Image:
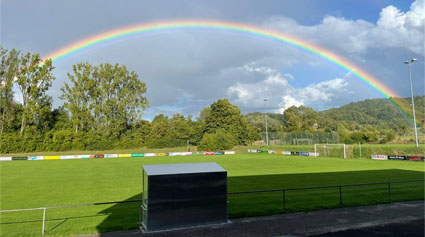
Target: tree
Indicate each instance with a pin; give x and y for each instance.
(228, 117)
(34, 77)
(77, 95)
(218, 141)
(108, 98)
(8, 70)
(301, 119)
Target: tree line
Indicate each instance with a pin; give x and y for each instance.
(102, 109)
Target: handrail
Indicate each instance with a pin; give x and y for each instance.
(328, 186)
(67, 206)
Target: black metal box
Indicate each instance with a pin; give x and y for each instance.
(183, 195)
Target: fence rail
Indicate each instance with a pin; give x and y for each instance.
(284, 191)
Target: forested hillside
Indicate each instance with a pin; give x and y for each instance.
(373, 120)
(380, 113)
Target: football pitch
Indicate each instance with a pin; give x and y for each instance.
(30, 184)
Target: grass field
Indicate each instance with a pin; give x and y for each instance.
(28, 184)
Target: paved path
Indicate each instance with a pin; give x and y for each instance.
(394, 219)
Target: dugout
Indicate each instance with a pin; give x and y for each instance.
(183, 195)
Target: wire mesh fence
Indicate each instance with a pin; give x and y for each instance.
(300, 138)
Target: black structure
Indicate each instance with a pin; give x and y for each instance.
(183, 195)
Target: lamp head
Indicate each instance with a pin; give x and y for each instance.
(406, 62)
(413, 59)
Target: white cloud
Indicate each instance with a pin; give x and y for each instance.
(394, 29)
(280, 93)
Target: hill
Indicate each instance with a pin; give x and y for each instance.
(375, 114)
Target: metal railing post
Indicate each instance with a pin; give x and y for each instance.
(44, 221)
(389, 192)
(340, 195)
(284, 198)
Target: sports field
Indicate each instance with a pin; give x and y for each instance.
(28, 184)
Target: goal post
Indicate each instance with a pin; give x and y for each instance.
(324, 147)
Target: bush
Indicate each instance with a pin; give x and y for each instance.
(218, 141)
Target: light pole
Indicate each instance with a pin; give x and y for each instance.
(265, 115)
(413, 102)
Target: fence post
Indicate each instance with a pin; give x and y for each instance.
(389, 192)
(283, 196)
(44, 220)
(340, 195)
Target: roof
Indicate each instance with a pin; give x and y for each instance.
(186, 168)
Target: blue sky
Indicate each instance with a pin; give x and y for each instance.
(186, 71)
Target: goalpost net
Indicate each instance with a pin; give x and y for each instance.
(330, 150)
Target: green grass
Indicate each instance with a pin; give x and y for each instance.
(28, 184)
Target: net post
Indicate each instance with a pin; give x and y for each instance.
(44, 221)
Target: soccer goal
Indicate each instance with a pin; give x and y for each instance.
(330, 150)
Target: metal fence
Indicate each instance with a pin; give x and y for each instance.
(339, 187)
(300, 138)
(284, 192)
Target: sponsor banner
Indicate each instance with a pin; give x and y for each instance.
(295, 153)
(83, 156)
(259, 151)
(124, 155)
(252, 150)
(379, 157)
(51, 157)
(288, 153)
(208, 153)
(265, 152)
(111, 155)
(138, 155)
(91, 156)
(174, 153)
(303, 153)
(271, 152)
(229, 152)
(218, 153)
(19, 158)
(415, 158)
(5, 158)
(67, 157)
(149, 154)
(313, 153)
(188, 153)
(397, 157)
(161, 154)
(99, 156)
(35, 157)
(197, 153)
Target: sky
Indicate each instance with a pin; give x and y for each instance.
(187, 70)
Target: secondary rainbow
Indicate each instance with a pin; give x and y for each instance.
(323, 53)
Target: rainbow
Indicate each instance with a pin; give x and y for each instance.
(320, 52)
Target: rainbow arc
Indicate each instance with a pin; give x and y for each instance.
(320, 52)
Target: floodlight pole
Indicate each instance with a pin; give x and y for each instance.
(265, 115)
(413, 102)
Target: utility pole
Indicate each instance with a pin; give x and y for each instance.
(265, 115)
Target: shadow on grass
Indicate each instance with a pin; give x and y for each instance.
(126, 216)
